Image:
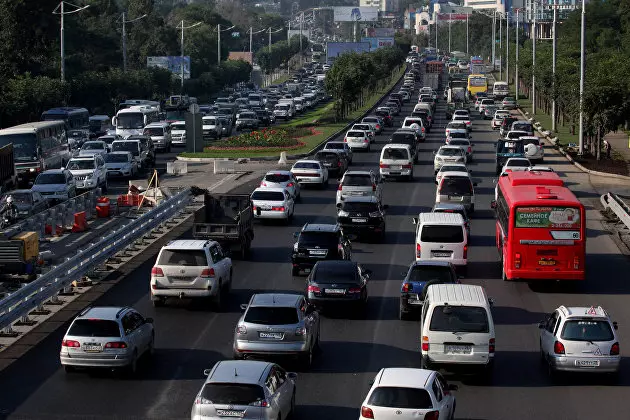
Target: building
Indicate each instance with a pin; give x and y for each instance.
(490, 5)
(382, 5)
(544, 14)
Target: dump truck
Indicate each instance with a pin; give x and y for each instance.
(227, 219)
(433, 74)
(8, 177)
(19, 255)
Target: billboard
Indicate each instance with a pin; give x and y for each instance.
(238, 55)
(335, 49)
(376, 43)
(379, 32)
(352, 14)
(305, 32)
(172, 64)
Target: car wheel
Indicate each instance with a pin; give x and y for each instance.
(306, 360)
(151, 349)
(292, 407)
(425, 363)
(503, 272)
(105, 186)
(472, 208)
(157, 302)
(295, 271)
(132, 368)
(69, 369)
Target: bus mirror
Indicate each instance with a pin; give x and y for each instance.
(145, 119)
(493, 204)
(114, 119)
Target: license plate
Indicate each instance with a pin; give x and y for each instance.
(230, 413)
(318, 252)
(180, 278)
(442, 254)
(587, 363)
(265, 207)
(359, 220)
(116, 173)
(356, 193)
(546, 262)
(357, 140)
(327, 165)
(92, 348)
(396, 167)
(335, 291)
(455, 197)
(307, 270)
(270, 335)
(414, 301)
(457, 349)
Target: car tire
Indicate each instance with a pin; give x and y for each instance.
(151, 349)
(295, 271)
(472, 208)
(217, 300)
(503, 272)
(105, 186)
(69, 369)
(157, 302)
(425, 363)
(292, 407)
(132, 368)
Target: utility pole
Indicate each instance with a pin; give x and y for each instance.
(553, 68)
(500, 47)
(182, 48)
(582, 65)
(467, 15)
(218, 43)
(251, 38)
(517, 82)
(301, 25)
(270, 40)
(450, 17)
(60, 10)
(534, 62)
(494, 38)
(507, 47)
(124, 35)
(436, 33)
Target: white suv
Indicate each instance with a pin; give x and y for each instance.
(191, 269)
(88, 172)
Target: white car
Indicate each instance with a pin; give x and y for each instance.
(455, 125)
(448, 154)
(461, 134)
(310, 172)
(340, 146)
(368, 128)
(120, 164)
(516, 164)
(465, 145)
(358, 139)
(88, 172)
(534, 149)
(282, 179)
(499, 116)
(273, 203)
(359, 184)
(450, 167)
(95, 147)
(178, 133)
(483, 104)
(538, 168)
(463, 118)
(408, 393)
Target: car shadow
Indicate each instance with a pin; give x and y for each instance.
(510, 315)
(489, 270)
(482, 240)
(321, 411)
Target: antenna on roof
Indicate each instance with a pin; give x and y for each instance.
(235, 373)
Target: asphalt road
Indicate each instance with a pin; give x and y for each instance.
(191, 338)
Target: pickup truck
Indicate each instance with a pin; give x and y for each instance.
(227, 219)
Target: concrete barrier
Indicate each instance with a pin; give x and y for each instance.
(224, 166)
(178, 167)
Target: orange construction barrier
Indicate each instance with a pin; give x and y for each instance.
(80, 222)
(48, 230)
(102, 207)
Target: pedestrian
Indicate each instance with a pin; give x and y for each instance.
(607, 149)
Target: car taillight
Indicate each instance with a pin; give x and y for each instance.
(300, 331)
(558, 348)
(517, 260)
(116, 345)
(407, 166)
(366, 140)
(314, 289)
(383, 165)
(345, 139)
(417, 250)
(465, 251)
(281, 208)
(432, 415)
(429, 118)
(425, 343)
(576, 263)
(378, 126)
(614, 350)
(366, 412)
(469, 149)
(207, 273)
(468, 122)
(354, 290)
(339, 164)
(241, 329)
(70, 343)
(263, 184)
(261, 403)
(290, 184)
(157, 272)
(340, 187)
(407, 287)
(373, 187)
(491, 345)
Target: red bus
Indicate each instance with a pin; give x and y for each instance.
(540, 228)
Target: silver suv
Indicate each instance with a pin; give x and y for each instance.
(277, 324)
(107, 337)
(245, 389)
(359, 184)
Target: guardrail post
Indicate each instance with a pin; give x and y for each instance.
(25, 320)
(68, 290)
(60, 219)
(54, 300)
(41, 223)
(40, 310)
(9, 332)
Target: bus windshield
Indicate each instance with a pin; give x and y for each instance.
(477, 81)
(24, 146)
(547, 217)
(135, 120)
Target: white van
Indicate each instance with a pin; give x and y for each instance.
(500, 90)
(457, 327)
(160, 133)
(442, 237)
(396, 161)
(422, 106)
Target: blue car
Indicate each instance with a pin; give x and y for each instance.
(420, 275)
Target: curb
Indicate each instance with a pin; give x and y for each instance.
(570, 159)
(310, 152)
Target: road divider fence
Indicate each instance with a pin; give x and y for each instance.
(619, 207)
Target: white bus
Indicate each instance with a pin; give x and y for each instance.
(131, 121)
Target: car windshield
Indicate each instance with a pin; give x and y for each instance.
(267, 196)
(521, 127)
(116, 158)
(134, 120)
(271, 315)
(277, 177)
(361, 207)
(425, 273)
(126, 146)
(183, 257)
(43, 179)
(93, 146)
(453, 168)
(400, 398)
(448, 234)
(19, 198)
(458, 135)
(455, 185)
(154, 131)
(395, 153)
(76, 133)
(358, 180)
(456, 126)
(323, 239)
(247, 115)
(450, 152)
(471, 319)
(364, 127)
(80, 164)
(209, 121)
(587, 330)
(179, 127)
(24, 146)
(231, 394)
(306, 165)
(94, 328)
(107, 139)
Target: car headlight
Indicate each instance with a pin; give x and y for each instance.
(342, 213)
(438, 159)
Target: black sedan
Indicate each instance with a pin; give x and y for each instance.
(339, 283)
(363, 216)
(334, 161)
(265, 118)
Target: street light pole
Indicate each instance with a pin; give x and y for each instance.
(301, 25)
(494, 38)
(582, 65)
(534, 61)
(251, 38)
(507, 47)
(500, 48)
(182, 49)
(553, 69)
(124, 35)
(450, 17)
(467, 15)
(60, 10)
(218, 43)
(516, 79)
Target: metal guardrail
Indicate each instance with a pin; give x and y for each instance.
(618, 206)
(33, 295)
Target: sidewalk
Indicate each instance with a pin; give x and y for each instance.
(620, 143)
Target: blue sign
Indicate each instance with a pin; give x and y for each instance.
(372, 41)
(172, 64)
(376, 43)
(335, 49)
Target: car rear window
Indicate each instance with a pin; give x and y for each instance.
(470, 319)
(395, 153)
(424, 273)
(323, 239)
(458, 135)
(277, 177)
(232, 394)
(353, 206)
(355, 134)
(357, 181)
(455, 185)
(335, 273)
(271, 315)
(336, 146)
(521, 163)
(268, 196)
(403, 137)
(50, 179)
(94, 328)
(448, 234)
(510, 146)
(306, 165)
(182, 257)
(400, 398)
(450, 152)
(410, 122)
(365, 127)
(587, 330)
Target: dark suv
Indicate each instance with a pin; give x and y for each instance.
(316, 242)
(420, 275)
(363, 216)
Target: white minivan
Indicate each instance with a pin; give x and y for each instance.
(396, 161)
(457, 328)
(442, 237)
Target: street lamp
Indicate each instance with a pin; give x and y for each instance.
(219, 30)
(60, 10)
(251, 36)
(124, 35)
(582, 64)
(507, 47)
(181, 25)
(553, 68)
(516, 80)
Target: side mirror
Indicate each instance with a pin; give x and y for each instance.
(435, 152)
(243, 306)
(148, 320)
(541, 325)
(415, 220)
(491, 301)
(452, 387)
(296, 234)
(472, 144)
(493, 204)
(615, 325)
(292, 375)
(206, 372)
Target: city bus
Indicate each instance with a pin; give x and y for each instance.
(37, 146)
(137, 102)
(131, 121)
(540, 230)
(477, 65)
(477, 83)
(75, 118)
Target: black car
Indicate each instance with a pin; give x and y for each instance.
(334, 161)
(339, 283)
(316, 242)
(264, 117)
(420, 275)
(363, 216)
(407, 136)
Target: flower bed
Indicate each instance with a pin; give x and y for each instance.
(266, 139)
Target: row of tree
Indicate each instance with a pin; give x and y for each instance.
(354, 77)
(277, 56)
